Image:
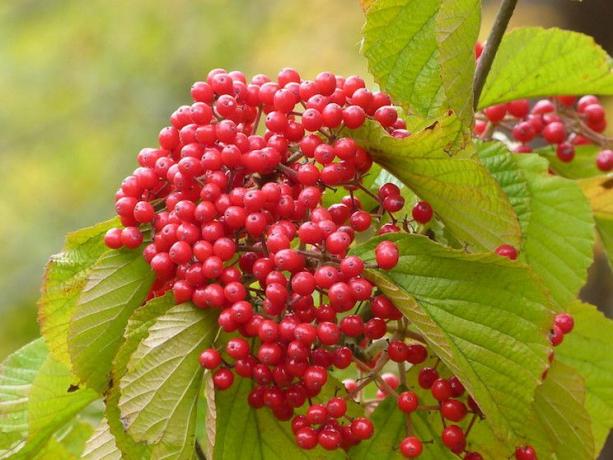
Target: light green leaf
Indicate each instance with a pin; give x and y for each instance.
(588, 349)
(559, 407)
(402, 51)
(101, 444)
(64, 278)
(582, 166)
(136, 331)
(17, 373)
(160, 388)
(599, 192)
(485, 317)
(244, 433)
(116, 286)
(557, 226)
(421, 52)
(533, 62)
(461, 190)
(390, 430)
(67, 445)
(457, 30)
(38, 397)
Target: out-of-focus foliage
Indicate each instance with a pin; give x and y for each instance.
(83, 86)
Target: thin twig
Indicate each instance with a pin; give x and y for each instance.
(491, 47)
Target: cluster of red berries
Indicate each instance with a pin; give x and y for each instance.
(563, 121)
(233, 217)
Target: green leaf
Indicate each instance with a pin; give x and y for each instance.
(557, 225)
(160, 388)
(136, 331)
(390, 429)
(588, 349)
(101, 444)
(38, 397)
(533, 62)
(457, 30)
(461, 190)
(64, 278)
(116, 285)
(421, 52)
(67, 445)
(243, 433)
(582, 166)
(599, 192)
(559, 407)
(17, 373)
(484, 316)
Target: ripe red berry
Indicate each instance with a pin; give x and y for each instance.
(495, 113)
(387, 255)
(525, 453)
(604, 160)
(422, 212)
(453, 410)
(408, 401)
(565, 152)
(411, 447)
(362, 428)
(453, 437)
(508, 251)
(223, 378)
(565, 322)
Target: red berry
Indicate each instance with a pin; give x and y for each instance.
(411, 447)
(453, 410)
(495, 113)
(422, 212)
(565, 152)
(387, 255)
(604, 160)
(453, 437)
(362, 428)
(565, 322)
(525, 453)
(223, 378)
(508, 251)
(408, 401)
(210, 358)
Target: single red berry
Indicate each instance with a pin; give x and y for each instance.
(556, 336)
(330, 439)
(506, 250)
(408, 401)
(112, 238)
(306, 438)
(441, 389)
(416, 354)
(604, 160)
(519, 108)
(337, 407)
(387, 255)
(223, 378)
(210, 358)
(397, 351)
(426, 377)
(411, 447)
(422, 212)
(525, 453)
(495, 113)
(565, 152)
(565, 322)
(453, 437)
(362, 428)
(554, 132)
(453, 410)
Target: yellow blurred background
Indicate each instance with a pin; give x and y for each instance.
(85, 85)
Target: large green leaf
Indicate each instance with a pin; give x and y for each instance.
(556, 221)
(101, 444)
(421, 52)
(582, 166)
(457, 30)
(559, 406)
(38, 397)
(485, 317)
(116, 285)
(390, 429)
(65, 276)
(534, 62)
(136, 331)
(244, 433)
(588, 349)
(461, 190)
(160, 388)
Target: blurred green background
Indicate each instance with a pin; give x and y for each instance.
(85, 85)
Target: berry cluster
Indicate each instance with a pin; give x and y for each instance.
(562, 121)
(232, 216)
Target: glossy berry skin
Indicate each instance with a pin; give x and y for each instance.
(407, 401)
(362, 428)
(426, 377)
(565, 322)
(508, 251)
(411, 447)
(210, 359)
(223, 378)
(306, 438)
(387, 255)
(565, 152)
(525, 453)
(422, 212)
(453, 437)
(604, 160)
(453, 410)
